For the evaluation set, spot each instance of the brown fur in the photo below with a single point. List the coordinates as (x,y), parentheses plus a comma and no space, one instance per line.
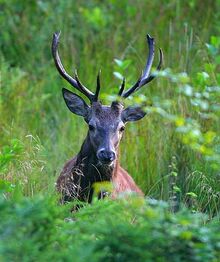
(98,158)
(81,172)
(74,183)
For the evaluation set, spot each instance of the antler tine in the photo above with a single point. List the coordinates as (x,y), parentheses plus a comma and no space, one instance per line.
(122,87)
(161,59)
(145,78)
(132,89)
(74,82)
(150,59)
(79,84)
(152,76)
(97,87)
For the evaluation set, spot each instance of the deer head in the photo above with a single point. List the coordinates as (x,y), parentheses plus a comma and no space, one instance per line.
(106,123)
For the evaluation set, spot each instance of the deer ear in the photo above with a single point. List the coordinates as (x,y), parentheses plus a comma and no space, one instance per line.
(132,113)
(75,103)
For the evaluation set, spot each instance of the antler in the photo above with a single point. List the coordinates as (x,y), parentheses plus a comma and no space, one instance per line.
(75,82)
(145,77)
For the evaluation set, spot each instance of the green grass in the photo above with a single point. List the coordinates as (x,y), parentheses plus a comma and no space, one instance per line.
(173,153)
(94,33)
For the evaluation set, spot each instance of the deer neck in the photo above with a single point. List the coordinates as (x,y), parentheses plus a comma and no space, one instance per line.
(91,167)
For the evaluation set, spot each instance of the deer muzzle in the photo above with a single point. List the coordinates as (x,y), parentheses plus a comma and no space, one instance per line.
(106,156)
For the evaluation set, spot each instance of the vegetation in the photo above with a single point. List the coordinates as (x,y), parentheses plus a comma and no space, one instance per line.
(173,154)
(125,230)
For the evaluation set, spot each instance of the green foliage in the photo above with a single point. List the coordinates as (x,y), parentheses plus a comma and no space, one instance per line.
(8,155)
(124,230)
(173,154)
(20,166)
(183,107)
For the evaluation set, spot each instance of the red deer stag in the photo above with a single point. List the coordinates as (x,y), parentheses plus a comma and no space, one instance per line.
(97,159)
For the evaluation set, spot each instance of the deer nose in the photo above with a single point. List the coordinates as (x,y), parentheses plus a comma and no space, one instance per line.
(106,156)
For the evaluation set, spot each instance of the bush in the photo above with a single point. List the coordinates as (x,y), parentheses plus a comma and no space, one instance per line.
(125,230)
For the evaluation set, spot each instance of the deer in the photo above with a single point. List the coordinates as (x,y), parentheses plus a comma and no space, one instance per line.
(98,158)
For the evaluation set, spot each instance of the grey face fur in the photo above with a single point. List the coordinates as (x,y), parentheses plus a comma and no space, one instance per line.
(106,123)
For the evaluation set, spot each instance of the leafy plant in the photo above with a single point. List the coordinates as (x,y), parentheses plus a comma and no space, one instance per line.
(127,229)
(173,154)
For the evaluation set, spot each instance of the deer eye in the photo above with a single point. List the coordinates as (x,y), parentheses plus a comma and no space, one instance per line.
(91,127)
(122,129)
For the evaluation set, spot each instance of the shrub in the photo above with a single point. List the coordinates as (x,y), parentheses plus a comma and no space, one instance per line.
(125,230)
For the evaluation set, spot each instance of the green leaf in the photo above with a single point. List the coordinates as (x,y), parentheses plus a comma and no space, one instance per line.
(118,75)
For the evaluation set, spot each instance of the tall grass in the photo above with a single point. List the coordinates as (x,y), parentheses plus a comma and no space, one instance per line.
(161,160)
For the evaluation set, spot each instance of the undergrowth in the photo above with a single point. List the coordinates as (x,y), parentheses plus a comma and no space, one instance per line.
(36,229)
(173,154)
